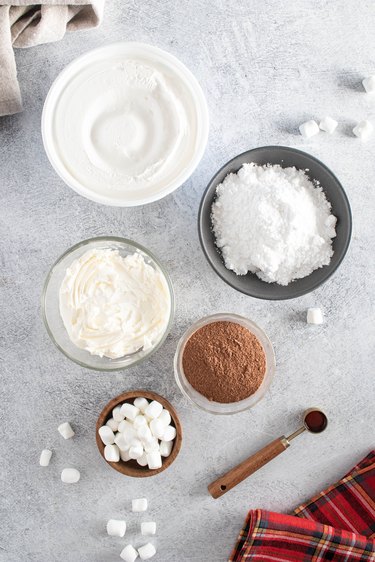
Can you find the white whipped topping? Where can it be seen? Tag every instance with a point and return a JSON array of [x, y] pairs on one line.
[[114, 306], [118, 126]]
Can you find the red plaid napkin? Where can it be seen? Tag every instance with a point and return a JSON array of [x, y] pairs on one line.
[[337, 525]]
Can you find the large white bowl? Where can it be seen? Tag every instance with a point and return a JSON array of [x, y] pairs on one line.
[[185, 87]]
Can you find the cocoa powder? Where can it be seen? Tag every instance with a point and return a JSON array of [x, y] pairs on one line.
[[224, 361]]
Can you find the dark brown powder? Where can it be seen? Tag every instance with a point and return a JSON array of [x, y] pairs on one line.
[[224, 361]]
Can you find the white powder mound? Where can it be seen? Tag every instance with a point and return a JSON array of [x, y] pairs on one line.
[[274, 222]]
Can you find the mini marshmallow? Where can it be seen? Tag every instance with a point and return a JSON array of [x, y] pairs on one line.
[[70, 475], [129, 411], [117, 415], [129, 554], [65, 429], [369, 84], [136, 450], [154, 409], [111, 453], [166, 448], [165, 418], [363, 130], [127, 428], [147, 551], [314, 316], [116, 528], [148, 528], [139, 504], [152, 445], [309, 129], [144, 434], [328, 125], [154, 460], [122, 443], [157, 428], [142, 461], [139, 421], [106, 435], [45, 457], [169, 433], [124, 456], [141, 404], [112, 424]]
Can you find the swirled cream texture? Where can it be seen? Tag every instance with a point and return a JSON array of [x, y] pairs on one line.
[[113, 306], [120, 126]]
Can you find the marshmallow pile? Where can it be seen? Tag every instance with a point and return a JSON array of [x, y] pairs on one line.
[[117, 528], [141, 431]]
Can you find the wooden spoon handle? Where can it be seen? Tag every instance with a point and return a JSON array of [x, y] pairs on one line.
[[247, 467]]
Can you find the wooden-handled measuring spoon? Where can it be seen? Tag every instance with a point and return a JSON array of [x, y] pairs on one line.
[[314, 420]]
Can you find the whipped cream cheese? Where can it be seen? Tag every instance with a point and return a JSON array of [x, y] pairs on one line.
[[112, 305]]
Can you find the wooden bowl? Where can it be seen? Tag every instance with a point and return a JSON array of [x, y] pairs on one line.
[[132, 468]]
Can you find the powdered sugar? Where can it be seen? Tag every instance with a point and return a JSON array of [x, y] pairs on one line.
[[274, 222]]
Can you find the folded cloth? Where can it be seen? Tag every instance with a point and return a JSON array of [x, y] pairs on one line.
[[337, 525], [25, 25]]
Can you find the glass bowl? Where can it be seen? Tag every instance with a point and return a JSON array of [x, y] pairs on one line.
[[217, 407], [51, 311]]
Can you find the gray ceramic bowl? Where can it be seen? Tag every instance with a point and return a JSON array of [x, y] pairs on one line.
[[250, 284]]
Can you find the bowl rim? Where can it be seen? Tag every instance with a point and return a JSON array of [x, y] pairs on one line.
[[137, 246], [140, 472], [297, 293], [264, 341], [200, 144]]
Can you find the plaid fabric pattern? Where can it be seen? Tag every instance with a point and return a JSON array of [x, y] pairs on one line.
[[349, 504], [336, 525]]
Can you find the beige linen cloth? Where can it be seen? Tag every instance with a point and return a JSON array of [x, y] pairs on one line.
[[25, 25]]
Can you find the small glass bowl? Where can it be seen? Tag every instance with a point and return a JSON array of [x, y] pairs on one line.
[[51, 310], [217, 407]]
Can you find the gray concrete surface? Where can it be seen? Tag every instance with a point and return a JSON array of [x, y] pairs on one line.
[[265, 66]]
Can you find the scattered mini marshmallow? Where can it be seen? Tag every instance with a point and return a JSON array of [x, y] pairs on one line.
[[141, 403], [154, 460], [147, 551], [129, 411], [157, 428], [106, 435], [169, 433], [116, 528], [309, 129], [65, 429], [154, 409], [45, 457], [165, 417], [112, 453], [315, 316], [70, 475], [136, 450], [148, 528], [142, 460], [112, 424], [139, 504], [117, 415], [369, 84], [129, 554], [165, 448], [363, 130], [328, 125]]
